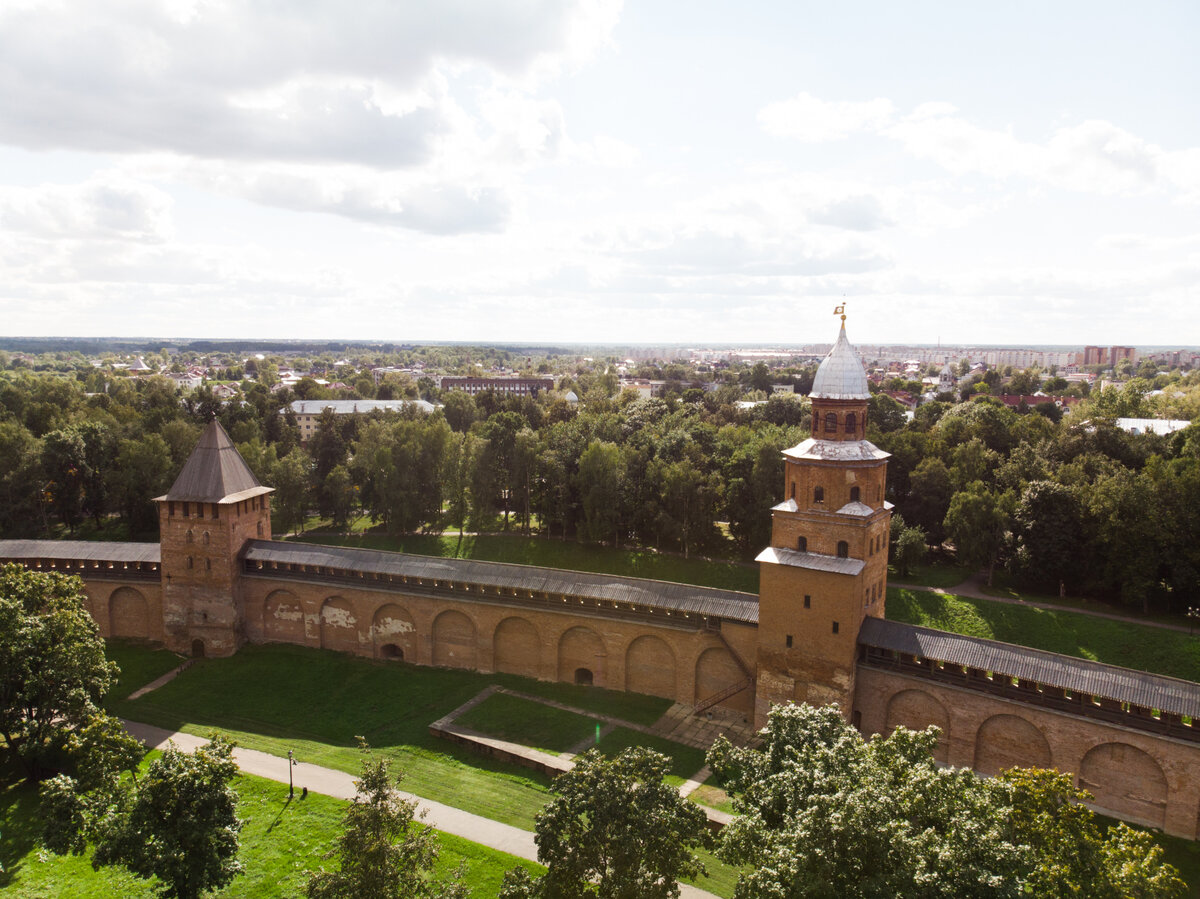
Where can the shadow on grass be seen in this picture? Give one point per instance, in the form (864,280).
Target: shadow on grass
(20,827)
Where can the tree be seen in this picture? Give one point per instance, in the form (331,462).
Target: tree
(291,476)
(977,522)
(53,674)
(910,550)
(824,813)
(600,489)
(1049,530)
(614,830)
(382,853)
(929,498)
(179,824)
(1068,855)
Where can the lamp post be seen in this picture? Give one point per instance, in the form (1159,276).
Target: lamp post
(1192,614)
(291,785)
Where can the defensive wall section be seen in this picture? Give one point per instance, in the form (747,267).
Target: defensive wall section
(1131,738)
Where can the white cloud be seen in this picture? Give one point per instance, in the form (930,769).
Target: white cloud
(807,118)
(105,207)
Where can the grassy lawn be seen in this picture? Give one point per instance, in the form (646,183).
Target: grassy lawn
(528,723)
(139,664)
(276,698)
(551,553)
(685,760)
(280,841)
(1124,643)
(712,796)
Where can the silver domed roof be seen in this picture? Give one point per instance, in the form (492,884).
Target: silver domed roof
(841,375)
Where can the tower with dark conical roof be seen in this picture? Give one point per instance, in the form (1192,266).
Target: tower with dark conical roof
(215,506)
(826,568)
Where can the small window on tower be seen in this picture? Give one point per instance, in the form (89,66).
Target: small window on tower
(818,494)
(807,601)
(843,549)
(793,492)
(206,538)
(851,423)
(188,537)
(187,510)
(170,510)
(802,544)
(854,494)
(190,562)
(260,529)
(208,564)
(835,627)
(830,423)
(788,641)
(216,513)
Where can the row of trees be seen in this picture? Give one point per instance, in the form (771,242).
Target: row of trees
(1073,505)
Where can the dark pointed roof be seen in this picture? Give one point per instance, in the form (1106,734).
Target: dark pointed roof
(215,472)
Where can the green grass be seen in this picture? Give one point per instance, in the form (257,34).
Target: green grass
(712,796)
(139,664)
(1124,643)
(685,760)
(276,698)
(528,723)
(551,553)
(280,842)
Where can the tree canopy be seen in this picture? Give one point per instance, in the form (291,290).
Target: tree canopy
(613,830)
(825,813)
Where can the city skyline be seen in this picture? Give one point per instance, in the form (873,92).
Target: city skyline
(601,173)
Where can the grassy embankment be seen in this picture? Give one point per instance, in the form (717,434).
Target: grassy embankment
(276,698)
(280,841)
(1125,643)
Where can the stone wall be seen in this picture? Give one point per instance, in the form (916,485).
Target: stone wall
(130,608)
(1139,777)
(682,664)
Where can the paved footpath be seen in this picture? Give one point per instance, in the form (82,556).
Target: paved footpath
(340,785)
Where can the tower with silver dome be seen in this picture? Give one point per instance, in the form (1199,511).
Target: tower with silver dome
(826,568)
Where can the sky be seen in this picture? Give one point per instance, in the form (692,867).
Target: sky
(601,172)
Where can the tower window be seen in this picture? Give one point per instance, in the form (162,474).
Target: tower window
(260,529)
(835,627)
(189,537)
(788,641)
(851,423)
(187,510)
(208,564)
(793,490)
(802,544)
(830,423)
(190,562)
(170,510)
(854,494)
(843,549)
(818,494)
(807,601)
(206,538)
(216,513)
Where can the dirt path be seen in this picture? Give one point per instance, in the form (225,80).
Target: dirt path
(972,588)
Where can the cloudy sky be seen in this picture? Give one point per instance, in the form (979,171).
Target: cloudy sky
(649,171)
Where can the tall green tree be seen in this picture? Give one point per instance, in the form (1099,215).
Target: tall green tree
(600,490)
(824,813)
(383,851)
(180,824)
(978,521)
(613,830)
(292,478)
(53,674)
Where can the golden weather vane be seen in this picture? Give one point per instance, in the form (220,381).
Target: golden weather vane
(841,310)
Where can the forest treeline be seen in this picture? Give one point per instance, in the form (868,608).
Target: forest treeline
(1071,503)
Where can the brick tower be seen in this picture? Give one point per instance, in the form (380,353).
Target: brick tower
(215,505)
(826,568)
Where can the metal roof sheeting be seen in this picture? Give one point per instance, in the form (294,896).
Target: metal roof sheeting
(350,407)
(215,472)
(705,601)
(812,561)
(1151,691)
(836,451)
(841,375)
(79,550)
